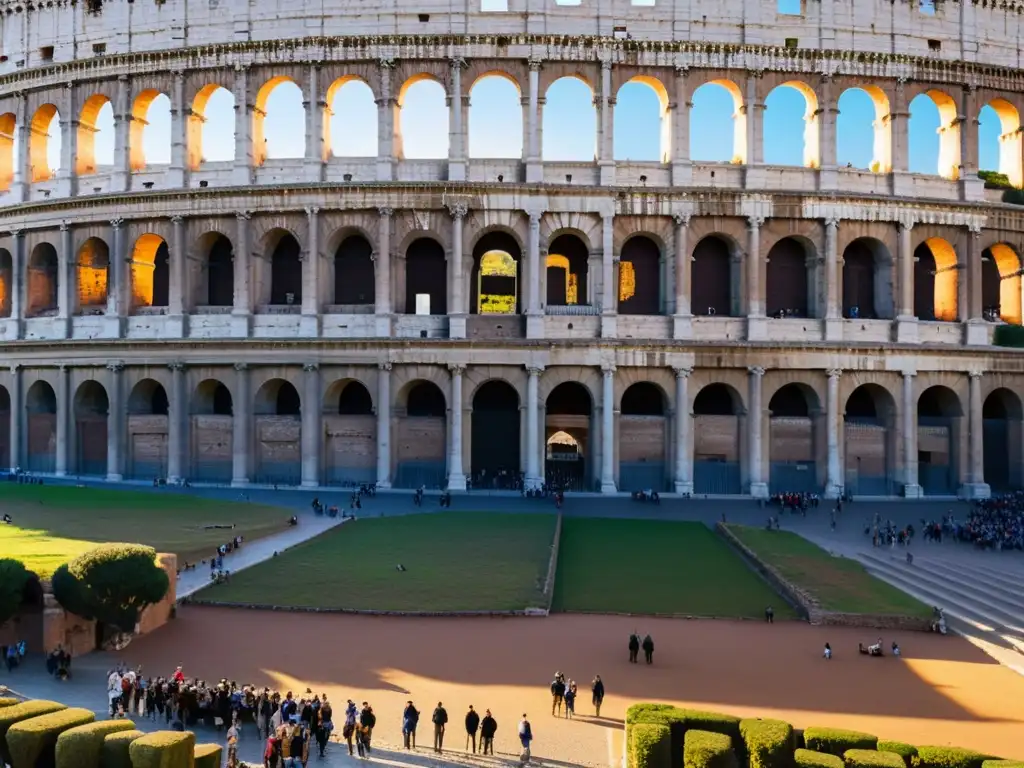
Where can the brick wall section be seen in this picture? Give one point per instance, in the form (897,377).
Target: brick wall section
(792,439)
(42,434)
(351,441)
(421,438)
(867,443)
(211,439)
(278,438)
(148,438)
(936,440)
(810,607)
(642,438)
(716,436)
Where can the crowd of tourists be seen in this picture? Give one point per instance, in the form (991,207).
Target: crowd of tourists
(795,502)
(996,523)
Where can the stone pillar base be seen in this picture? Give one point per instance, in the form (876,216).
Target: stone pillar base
(65,327)
(310,484)
(912,491)
(385,169)
(533,483)
(241,175)
(682,327)
(176,327)
(175,177)
(977,333)
(456,482)
(609,326)
(607,170)
(457,170)
(753,177)
(833,491)
(113,327)
(535,326)
(384,484)
(759,490)
(382,326)
(608,488)
(828,178)
(902,184)
(241,325)
(457,326)
(309,326)
(757,328)
(239,482)
(833,329)
(11,329)
(682,174)
(119,181)
(684,487)
(534,170)
(906,330)
(114,477)
(972,188)
(975,491)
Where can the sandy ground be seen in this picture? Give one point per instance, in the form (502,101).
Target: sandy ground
(943,691)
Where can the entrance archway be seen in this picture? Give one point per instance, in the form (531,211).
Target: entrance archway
(569,409)
(41,413)
(350,427)
(643,429)
(935,280)
(566,272)
(211,437)
(938,422)
(711,278)
(1001,416)
(285,271)
(867,280)
(420,458)
(869,447)
(495,281)
(495,437)
(716,440)
(5,429)
(147,431)
(91,409)
(278,413)
(786,291)
(791,441)
(426,278)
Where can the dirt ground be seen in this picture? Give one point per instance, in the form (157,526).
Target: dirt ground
(943,691)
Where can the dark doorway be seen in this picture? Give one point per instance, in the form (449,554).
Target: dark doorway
(859,281)
(286,272)
(787,280)
(426,275)
(567,436)
(791,447)
(643,431)
(496,437)
(566,271)
(353,272)
(716,441)
(162,276)
(1001,424)
(924,283)
(938,410)
(867,436)
(220,274)
(640,277)
(711,278)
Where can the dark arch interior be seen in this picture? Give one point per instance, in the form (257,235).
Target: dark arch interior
(495,434)
(42,280)
(162,276)
(643,399)
(286,400)
(286,272)
(496,396)
(575,251)
(426,274)
(864,403)
(6,272)
(569,398)
(1001,404)
(790,401)
(40,398)
(5,399)
(148,398)
(425,399)
(787,279)
(715,400)
(859,280)
(937,402)
(711,278)
(643,297)
(494,285)
(353,271)
(354,400)
(221,273)
(91,400)
(924,282)
(212,398)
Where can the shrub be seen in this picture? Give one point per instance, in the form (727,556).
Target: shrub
(868,758)
(115,752)
(949,757)
(1014,196)
(650,746)
(31,743)
(808,758)
(640,713)
(706,749)
(1003,764)
(163,749)
(1008,336)
(70,593)
(836,741)
(82,747)
(907,751)
(768,743)
(5,702)
(681,720)
(13,578)
(18,712)
(995,180)
(120,580)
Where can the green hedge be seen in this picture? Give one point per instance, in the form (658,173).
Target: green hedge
(164,749)
(82,747)
(867,758)
(681,720)
(707,749)
(650,746)
(18,712)
(1003,764)
(836,741)
(7,702)
(907,751)
(808,758)
(768,743)
(208,755)
(949,757)
(32,743)
(1008,336)
(115,752)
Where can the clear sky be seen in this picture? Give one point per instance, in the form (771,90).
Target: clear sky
(569,125)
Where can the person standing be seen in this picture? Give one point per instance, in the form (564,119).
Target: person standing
(634,647)
(367,720)
(488,727)
(439,719)
(769,615)
(525,738)
(410,717)
(557,693)
(648,646)
(570,700)
(597,694)
(349,729)
(472,726)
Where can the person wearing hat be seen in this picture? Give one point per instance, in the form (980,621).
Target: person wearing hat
(410,718)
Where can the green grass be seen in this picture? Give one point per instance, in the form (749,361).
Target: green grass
(837,583)
(651,566)
(455,561)
(55,523)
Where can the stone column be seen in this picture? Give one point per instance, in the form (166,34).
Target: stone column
(833,282)
(122,136)
(178,279)
(456,477)
(606,149)
(534,472)
(609,308)
(682,321)
(177,425)
(116,426)
(899,124)
(534,314)
(977,328)
(906,321)
(388,139)
(382,274)
(534,163)
(757,325)
(753,108)
(241,424)
(179,132)
(456,150)
(834,479)
(244,113)
(384,425)
(315,108)
(17,409)
(977,488)
(118,282)
(911,489)
(682,169)
(242,310)
(457,310)
(66,274)
(309,324)
(22,159)
(827,115)
(312,426)
(66,176)
(63,419)
(608,429)
(972,188)
(683,425)
(758,487)
(19,270)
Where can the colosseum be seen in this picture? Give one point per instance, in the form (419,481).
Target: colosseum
(723,326)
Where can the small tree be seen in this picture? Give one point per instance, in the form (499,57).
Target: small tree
(71,593)
(13,578)
(117,581)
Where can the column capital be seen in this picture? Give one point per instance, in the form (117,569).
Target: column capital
(65,225)
(177,219)
(682,70)
(241,367)
(384,367)
(14,368)
(116,222)
(384,211)
(115,367)
(386,63)
(311,367)
(908,374)
(975,374)
(832,221)
(457,63)
(15,233)
(682,219)
(755,222)
(835,373)
(311,211)
(535,217)
(535,62)
(608,369)
(905,222)
(458,209)
(534,370)
(457,369)
(63,367)
(974,227)
(176,367)
(756,370)
(683,372)
(243,215)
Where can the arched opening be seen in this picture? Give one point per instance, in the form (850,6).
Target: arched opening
(91,408)
(6,282)
(5,430)
(642,128)
(285,270)
(1001,415)
(717,411)
(495,463)
(569,410)
(211,127)
(426,278)
(495,118)
(278,413)
(148,412)
(350,427)
(217,281)
(791,109)
(351,119)
(936,275)
(643,438)
(277,113)
(150,128)
(712,278)
(150,272)
(867,280)
(718,124)
(93,276)
(8,138)
(42,281)
(938,426)
(495,280)
(934,135)
(791,442)
(567,272)
(863,130)
(423,120)
(44,144)
(211,444)
(640,277)
(569,128)
(353,272)
(999,140)
(422,437)
(869,447)
(1001,284)
(95,143)
(41,415)
(787,291)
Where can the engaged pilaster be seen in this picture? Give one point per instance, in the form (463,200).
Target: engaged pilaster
(911,488)
(456,269)
(534,314)
(758,487)
(309,323)
(833,282)
(456,477)
(241,423)
(608,429)
(63,422)
(15,426)
(177,425)
(834,479)
(682,320)
(382,274)
(757,324)
(384,425)
(241,312)
(683,480)
(312,426)
(976,487)
(176,317)
(534,476)
(116,422)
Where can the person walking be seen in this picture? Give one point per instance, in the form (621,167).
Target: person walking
(597,694)
(525,738)
(648,646)
(557,693)
(439,719)
(410,717)
(488,727)
(472,726)
(349,729)
(769,615)
(367,720)
(634,647)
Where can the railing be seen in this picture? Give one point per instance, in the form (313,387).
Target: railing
(572,310)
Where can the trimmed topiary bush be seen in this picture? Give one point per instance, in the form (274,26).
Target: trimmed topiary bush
(808,758)
(115,752)
(13,578)
(768,743)
(907,751)
(836,741)
(949,757)
(681,720)
(118,581)
(207,755)
(707,749)
(650,746)
(18,712)
(82,747)
(1003,764)
(164,749)
(32,743)
(4,702)
(867,758)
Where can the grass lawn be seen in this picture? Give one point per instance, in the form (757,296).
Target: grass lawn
(455,561)
(838,583)
(652,566)
(55,523)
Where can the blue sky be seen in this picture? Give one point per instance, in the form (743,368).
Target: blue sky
(569,123)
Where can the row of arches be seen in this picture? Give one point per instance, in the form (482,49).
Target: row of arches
(642,130)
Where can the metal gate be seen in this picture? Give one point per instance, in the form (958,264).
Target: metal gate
(218,472)
(278,473)
(866,451)
(997,455)
(718,478)
(432,475)
(642,475)
(793,477)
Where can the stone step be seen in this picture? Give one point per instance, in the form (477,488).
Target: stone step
(1001,583)
(1009,601)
